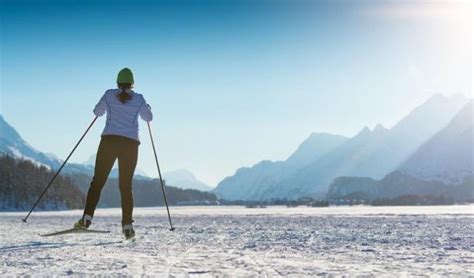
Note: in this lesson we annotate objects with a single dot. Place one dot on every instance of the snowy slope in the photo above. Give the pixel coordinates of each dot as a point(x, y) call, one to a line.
point(313, 148)
point(448, 156)
point(11, 143)
point(240, 242)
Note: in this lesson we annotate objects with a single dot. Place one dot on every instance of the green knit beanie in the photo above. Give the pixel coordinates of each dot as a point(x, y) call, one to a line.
point(125, 76)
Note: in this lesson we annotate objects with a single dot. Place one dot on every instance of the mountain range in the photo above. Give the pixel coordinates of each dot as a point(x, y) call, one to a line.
point(442, 166)
point(369, 154)
point(252, 183)
point(430, 147)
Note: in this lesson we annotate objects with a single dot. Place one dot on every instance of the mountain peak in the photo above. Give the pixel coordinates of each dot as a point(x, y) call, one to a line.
point(185, 179)
point(364, 132)
point(379, 128)
point(9, 133)
point(182, 173)
point(317, 144)
point(12, 143)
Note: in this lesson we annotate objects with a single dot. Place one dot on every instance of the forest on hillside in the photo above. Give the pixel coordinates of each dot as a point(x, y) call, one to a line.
point(146, 193)
point(22, 181)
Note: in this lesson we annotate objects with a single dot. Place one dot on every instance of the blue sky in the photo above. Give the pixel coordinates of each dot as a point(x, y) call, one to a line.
point(230, 82)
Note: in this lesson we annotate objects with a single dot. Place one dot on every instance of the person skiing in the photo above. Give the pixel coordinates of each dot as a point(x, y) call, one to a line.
point(119, 140)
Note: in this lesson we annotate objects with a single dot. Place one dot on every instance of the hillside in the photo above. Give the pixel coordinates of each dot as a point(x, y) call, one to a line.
point(22, 181)
point(12, 143)
point(448, 156)
point(146, 193)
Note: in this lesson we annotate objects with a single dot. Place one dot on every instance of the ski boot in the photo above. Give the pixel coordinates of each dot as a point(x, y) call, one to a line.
point(128, 231)
point(83, 223)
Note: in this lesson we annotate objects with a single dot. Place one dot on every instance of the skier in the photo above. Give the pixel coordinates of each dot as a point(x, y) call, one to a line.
point(119, 140)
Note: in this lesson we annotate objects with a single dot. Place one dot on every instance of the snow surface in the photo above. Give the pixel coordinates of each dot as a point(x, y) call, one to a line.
point(236, 241)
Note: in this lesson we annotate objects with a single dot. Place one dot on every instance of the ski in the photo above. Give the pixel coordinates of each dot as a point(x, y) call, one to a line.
point(75, 231)
point(130, 238)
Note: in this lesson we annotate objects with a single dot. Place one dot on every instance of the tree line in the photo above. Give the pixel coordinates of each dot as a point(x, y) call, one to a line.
point(22, 181)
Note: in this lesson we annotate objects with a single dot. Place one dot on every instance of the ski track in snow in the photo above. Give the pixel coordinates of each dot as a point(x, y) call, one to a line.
point(235, 241)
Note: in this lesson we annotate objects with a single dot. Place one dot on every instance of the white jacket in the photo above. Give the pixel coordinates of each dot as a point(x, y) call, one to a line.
point(122, 118)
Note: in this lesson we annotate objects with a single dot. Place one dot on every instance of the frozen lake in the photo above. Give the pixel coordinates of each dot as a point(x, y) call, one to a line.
point(274, 241)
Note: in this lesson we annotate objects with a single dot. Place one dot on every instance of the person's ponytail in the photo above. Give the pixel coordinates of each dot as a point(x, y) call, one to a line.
point(123, 96)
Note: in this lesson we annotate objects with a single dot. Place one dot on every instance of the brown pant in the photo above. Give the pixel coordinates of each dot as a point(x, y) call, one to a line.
point(112, 147)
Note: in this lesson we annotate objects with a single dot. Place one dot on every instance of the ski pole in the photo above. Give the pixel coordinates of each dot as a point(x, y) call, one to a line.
point(59, 170)
point(159, 174)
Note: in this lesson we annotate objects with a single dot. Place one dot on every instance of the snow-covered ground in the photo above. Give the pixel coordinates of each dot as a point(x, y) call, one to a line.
point(236, 241)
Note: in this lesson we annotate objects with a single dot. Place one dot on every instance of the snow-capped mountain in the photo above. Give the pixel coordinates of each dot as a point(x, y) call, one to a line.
point(448, 156)
point(184, 179)
point(372, 153)
point(408, 134)
point(11, 143)
point(442, 166)
point(250, 183)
